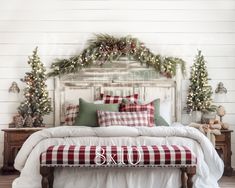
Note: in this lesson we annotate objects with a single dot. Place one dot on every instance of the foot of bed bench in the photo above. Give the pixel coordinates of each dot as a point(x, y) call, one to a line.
point(187, 174)
point(47, 174)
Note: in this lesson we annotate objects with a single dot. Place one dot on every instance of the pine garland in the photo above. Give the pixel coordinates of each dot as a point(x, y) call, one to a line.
point(104, 48)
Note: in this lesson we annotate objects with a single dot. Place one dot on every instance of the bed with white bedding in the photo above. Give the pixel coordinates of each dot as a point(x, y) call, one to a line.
point(209, 165)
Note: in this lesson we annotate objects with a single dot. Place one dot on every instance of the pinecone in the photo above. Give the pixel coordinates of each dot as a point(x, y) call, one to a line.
point(29, 121)
point(18, 120)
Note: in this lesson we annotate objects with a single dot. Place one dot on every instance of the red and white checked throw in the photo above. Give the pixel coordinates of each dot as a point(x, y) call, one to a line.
point(138, 108)
point(106, 118)
point(118, 156)
point(108, 99)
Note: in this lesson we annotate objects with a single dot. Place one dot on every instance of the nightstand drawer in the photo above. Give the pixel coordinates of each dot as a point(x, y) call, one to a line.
point(16, 137)
point(220, 138)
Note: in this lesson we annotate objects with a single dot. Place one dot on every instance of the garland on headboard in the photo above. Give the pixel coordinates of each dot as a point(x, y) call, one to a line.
point(105, 48)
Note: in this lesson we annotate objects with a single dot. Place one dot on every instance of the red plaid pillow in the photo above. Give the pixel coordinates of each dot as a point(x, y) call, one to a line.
point(106, 118)
point(108, 99)
point(71, 112)
point(139, 108)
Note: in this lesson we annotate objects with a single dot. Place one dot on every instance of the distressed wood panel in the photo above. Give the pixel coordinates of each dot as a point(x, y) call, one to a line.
point(20, 61)
point(9, 107)
point(120, 15)
point(81, 38)
point(114, 4)
point(229, 118)
point(119, 26)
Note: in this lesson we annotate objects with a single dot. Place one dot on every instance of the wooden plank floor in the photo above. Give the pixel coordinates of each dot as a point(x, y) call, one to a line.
point(225, 182)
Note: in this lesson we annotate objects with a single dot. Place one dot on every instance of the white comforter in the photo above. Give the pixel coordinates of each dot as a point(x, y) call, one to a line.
point(209, 168)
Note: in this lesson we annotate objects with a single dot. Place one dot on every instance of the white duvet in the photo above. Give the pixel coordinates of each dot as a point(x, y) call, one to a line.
point(209, 167)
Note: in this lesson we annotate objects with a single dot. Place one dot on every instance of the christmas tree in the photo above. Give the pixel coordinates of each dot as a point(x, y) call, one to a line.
point(36, 103)
point(200, 92)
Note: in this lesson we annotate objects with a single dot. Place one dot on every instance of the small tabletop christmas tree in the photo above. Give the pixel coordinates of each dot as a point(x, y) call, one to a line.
point(36, 103)
point(200, 92)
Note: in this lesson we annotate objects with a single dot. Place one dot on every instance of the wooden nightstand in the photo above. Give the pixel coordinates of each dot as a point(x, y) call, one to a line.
point(13, 140)
point(223, 147)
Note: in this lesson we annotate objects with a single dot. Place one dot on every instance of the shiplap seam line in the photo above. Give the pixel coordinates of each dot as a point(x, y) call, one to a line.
point(123, 32)
point(78, 43)
point(116, 20)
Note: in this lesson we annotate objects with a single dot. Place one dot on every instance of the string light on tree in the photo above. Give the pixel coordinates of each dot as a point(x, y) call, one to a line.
point(36, 103)
point(199, 93)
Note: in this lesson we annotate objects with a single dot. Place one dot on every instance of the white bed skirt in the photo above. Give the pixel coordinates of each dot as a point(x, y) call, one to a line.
point(109, 178)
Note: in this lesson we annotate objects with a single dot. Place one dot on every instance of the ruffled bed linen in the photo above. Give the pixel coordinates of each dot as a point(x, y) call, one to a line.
point(209, 167)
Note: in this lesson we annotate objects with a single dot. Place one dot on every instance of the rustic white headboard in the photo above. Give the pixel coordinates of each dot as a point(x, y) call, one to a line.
point(89, 83)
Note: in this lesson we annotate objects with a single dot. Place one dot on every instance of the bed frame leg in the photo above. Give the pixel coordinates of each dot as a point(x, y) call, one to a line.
point(47, 174)
point(186, 176)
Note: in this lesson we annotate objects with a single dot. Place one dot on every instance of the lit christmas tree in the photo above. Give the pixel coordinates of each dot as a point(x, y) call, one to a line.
point(36, 103)
point(200, 92)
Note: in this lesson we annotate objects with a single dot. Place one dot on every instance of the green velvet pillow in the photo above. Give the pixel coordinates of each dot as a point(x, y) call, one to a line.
point(87, 115)
point(160, 121)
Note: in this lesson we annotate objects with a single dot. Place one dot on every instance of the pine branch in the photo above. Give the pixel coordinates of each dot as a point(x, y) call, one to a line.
point(105, 48)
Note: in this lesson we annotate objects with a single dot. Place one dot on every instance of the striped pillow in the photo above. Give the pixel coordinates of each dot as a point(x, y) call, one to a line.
point(106, 118)
point(108, 99)
point(139, 108)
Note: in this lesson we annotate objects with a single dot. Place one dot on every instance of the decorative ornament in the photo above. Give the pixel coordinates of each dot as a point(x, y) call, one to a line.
point(105, 48)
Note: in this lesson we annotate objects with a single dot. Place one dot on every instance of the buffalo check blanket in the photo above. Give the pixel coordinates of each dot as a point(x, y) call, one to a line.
point(118, 156)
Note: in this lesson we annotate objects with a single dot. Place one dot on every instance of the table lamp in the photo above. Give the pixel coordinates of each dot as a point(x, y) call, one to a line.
point(220, 96)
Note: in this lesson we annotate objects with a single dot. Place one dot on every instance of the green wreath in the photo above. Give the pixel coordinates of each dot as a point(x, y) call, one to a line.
point(105, 48)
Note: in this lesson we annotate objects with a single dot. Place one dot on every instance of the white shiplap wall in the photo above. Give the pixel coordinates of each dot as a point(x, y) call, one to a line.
point(61, 27)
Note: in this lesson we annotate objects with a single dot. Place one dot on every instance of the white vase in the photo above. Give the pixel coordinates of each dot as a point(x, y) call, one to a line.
point(186, 118)
point(197, 116)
